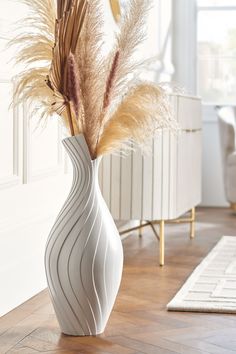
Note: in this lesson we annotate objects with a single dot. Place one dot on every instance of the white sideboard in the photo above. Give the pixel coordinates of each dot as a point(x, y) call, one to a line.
point(164, 184)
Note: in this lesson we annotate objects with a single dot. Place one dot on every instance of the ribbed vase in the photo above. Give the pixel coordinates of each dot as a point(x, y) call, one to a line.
point(84, 255)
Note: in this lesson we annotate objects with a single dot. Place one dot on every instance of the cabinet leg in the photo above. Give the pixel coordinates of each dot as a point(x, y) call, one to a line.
point(233, 206)
point(192, 224)
point(140, 229)
point(162, 242)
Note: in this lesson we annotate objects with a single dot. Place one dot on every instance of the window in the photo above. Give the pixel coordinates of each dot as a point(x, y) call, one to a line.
point(216, 51)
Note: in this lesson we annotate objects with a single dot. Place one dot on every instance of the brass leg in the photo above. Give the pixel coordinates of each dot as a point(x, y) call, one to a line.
point(233, 206)
point(154, 230)
point(162, 242)
point(140, 229)
point(192, 223)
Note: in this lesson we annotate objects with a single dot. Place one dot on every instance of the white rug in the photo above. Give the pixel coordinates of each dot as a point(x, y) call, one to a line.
point(212, 285)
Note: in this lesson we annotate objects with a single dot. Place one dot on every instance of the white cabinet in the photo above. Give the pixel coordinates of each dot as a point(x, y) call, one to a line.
point(167, 182)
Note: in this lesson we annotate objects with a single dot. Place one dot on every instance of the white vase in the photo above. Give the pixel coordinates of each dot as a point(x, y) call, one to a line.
point(84, 255)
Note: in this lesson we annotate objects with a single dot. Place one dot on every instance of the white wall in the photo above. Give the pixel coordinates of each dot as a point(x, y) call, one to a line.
point(27, 214)
point(184, 43)
point(184, 17)
point(33, 184)
point(213, 186)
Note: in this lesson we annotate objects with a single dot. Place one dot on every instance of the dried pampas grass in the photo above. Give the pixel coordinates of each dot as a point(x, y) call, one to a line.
point(142, 111)
point(93, 71)
point(35, 53)
point(68, 73)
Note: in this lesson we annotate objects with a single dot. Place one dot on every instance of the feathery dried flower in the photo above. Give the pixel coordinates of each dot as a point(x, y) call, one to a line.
point(72, 77)
point(110, 80)
point(144, 110)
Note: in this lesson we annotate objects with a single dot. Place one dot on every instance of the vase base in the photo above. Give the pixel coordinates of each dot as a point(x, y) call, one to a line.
point(65, 333)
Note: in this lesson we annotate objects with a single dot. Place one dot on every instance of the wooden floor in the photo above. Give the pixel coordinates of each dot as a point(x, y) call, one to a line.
point(139, 322)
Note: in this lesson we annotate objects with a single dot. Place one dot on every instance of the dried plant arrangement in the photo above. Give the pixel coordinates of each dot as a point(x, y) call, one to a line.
point(95, 94)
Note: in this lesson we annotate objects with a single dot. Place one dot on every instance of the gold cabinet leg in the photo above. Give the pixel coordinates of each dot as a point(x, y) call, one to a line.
point(162, 242)
point(192, 223)
point(233, 206)
point(140, 228)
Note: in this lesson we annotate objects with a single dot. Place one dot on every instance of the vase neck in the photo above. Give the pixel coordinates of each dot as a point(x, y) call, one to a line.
point(79, 154)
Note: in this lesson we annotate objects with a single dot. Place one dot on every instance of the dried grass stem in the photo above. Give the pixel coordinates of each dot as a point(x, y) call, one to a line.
point(110, 80)
point(73, 86)
point(70, 119)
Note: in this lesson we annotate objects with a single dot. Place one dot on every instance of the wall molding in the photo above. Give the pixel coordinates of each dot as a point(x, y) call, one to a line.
point(15, 178)
point(28, 175)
